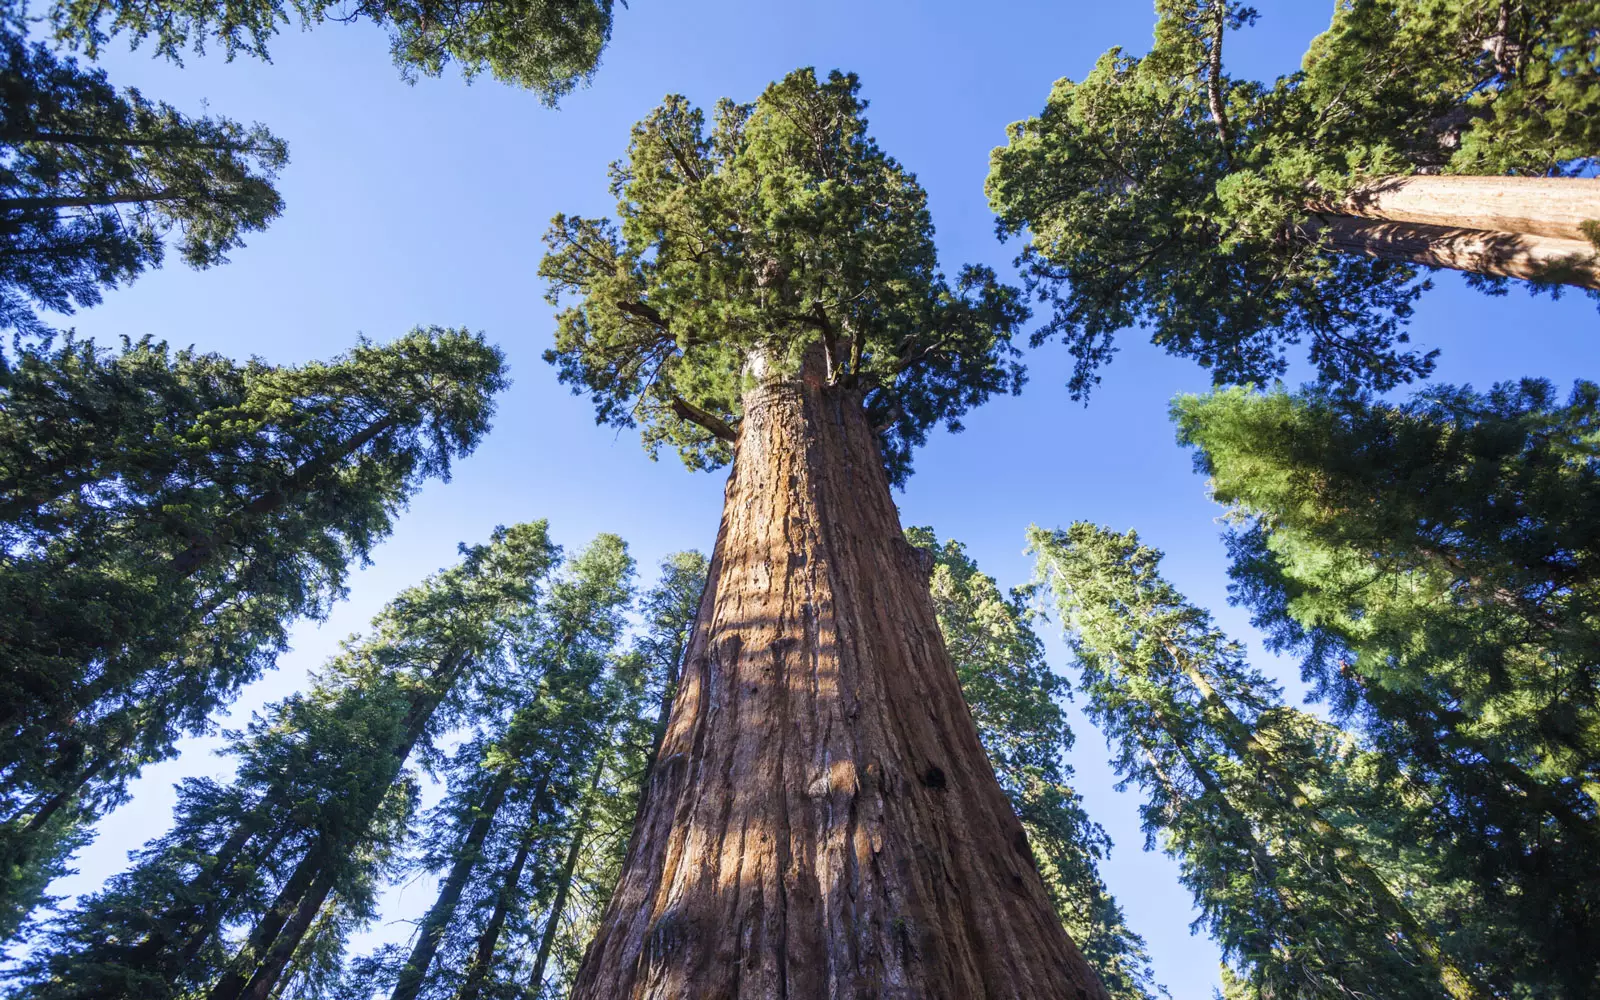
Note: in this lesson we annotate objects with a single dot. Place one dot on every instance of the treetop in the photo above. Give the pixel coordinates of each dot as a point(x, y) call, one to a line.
point(780, 228)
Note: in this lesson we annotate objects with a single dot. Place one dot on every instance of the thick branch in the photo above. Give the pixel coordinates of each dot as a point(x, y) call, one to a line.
point(1556, 207)
point(1496, 254)
point(644, 311)
point(715, 425)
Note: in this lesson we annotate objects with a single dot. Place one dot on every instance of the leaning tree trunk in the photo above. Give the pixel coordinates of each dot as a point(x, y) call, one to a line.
point(823, 821)
point(1544, 229)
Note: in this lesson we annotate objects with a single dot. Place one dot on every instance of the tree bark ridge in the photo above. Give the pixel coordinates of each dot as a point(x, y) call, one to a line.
point(822, 821)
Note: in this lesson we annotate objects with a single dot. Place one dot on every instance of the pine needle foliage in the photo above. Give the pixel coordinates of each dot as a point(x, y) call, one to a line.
point(1431, 561)
point(546, 46)
point(165, 516)
point(95, 181)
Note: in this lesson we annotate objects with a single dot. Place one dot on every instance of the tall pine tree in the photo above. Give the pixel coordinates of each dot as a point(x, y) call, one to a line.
point(1245, 791)
point(517, 792)
point(821, 819)
point(1016, 702)
point(152, 566)
point(1431, 561)
point(290, 852)
point(95, 180)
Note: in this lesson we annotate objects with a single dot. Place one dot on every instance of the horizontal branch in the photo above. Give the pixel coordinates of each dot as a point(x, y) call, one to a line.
point(1496, 254)
point(715, 425)
point(1556, 207)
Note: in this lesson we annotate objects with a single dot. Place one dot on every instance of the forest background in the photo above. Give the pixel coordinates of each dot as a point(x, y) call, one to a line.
point(424, 204)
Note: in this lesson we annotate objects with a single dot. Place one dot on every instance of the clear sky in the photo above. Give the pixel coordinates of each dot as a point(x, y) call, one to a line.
point(424, 204)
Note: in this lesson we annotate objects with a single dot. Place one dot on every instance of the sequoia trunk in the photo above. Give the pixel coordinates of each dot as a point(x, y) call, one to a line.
point(1535, 228)
point(822, 821)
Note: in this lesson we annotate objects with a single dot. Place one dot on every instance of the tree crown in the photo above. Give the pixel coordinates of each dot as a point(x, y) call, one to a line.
point(782, 229)
point(1162, 193)
point(548, 46)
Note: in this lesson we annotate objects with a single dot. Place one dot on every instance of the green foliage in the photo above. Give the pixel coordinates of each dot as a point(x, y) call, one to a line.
point(320, 787)
point(93, 181)
point(1017, 704)
point(1433, 562)
point(1161, 193)
point(166, 516)
point(548, 46)
point(1278, 820)
point(782, 230)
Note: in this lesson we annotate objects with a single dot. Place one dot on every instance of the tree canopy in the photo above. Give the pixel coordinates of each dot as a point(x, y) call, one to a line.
point(781, 229)
point(95, 180)
point(547, 46)
point(167, 515)
point(1162, 193)
point(1432, 561)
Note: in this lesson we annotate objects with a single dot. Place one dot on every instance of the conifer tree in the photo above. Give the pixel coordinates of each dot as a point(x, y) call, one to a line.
point(1243, 790)
point(547, 46)
point(293, 849)
point(516, 791)
point(1016, 702)
point(1431, 561)
point(1236, 218)
point(96, 179)
point(151, 570)
point(772, 282)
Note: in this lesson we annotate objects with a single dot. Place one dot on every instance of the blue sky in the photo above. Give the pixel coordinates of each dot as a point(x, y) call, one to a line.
point(424, 204)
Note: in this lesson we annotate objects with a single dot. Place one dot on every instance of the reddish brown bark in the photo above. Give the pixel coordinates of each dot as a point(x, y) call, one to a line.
point(1556, 207)
point(1497, 254)
point(1531, 228)
point(823, 821)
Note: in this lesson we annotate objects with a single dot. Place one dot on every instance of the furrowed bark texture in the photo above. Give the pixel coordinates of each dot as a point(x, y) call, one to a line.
point(823, 822)
point(1531, 228)
point(1497, 254)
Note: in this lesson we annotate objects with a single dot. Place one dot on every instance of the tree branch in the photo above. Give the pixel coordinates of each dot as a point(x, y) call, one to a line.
point(1219, 113)
point(713, 424)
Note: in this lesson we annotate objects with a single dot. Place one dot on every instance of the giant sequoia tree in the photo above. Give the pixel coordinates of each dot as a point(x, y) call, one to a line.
point(1235, 218)
point(821, 819)
point(1433, 561)
point(165, 517)
point(94, 181)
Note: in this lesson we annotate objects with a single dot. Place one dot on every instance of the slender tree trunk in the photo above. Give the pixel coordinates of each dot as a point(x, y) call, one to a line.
point(45, 806)
point(1531, 228)
point(255, 969)
point(478, 971)
point(1247, 745)
point(823, 821)
point(569, 866)
point(409, 984)
point(198, 923)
